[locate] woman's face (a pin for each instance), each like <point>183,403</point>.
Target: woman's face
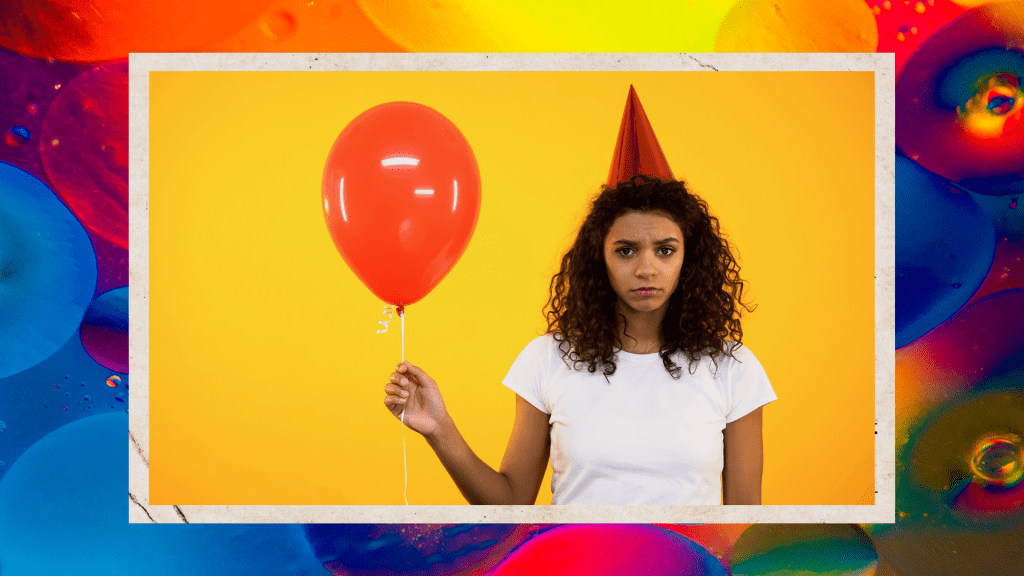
<point>644,254</point>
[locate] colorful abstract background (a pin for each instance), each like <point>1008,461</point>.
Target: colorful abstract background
<point>64,275</point>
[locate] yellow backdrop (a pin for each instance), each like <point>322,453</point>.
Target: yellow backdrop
<point>267,374</point>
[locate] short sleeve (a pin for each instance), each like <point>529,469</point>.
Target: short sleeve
<point>527,374</point>
<point>749,387</point>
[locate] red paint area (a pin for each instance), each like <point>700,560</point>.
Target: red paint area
<point>989,501</point>
<point>905,25</point>
<point>84,148</point>
<point>609,550</point>
<point>97,30</point>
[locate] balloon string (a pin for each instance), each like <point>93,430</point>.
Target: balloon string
<point>384,323</point>
<point>405,457</point>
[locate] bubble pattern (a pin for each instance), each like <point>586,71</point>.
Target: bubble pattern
<point>977,146</point>
<point>959,510</point>
<point>62,511</point>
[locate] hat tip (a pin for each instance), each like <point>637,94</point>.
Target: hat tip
<point>636,149</point>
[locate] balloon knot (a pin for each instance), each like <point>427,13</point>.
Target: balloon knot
<point>400,309</point>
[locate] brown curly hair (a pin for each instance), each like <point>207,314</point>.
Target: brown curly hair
<point>704,310</point>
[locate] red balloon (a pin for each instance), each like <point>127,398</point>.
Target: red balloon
<point>401,197</point>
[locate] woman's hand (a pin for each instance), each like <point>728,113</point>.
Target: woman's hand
<point>412,390</point>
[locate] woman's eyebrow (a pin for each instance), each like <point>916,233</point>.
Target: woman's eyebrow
<point>656,242</point>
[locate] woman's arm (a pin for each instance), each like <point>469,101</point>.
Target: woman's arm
<point>522,468</point>
<point>744,460</point>
<point>526,456</point>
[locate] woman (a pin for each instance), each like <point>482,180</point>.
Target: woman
<point>649,283</point>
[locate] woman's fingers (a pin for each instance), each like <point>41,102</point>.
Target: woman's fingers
<point>398,393</point>
<point>395,405</point>
<point>402,384</point>
<point>396,390</point>
<point>401,379</point>
<point>416,372</point>
<point>393,400</point>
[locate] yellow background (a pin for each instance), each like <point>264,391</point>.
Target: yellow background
<point>266,371</point>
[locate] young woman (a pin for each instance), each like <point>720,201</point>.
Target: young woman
<point>641,391</point>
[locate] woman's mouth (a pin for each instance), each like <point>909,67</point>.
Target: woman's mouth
<point>645,291</point>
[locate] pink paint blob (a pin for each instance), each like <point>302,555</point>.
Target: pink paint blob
<point>104,330</point>
<point>610,550</point>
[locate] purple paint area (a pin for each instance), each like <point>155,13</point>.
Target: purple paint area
<point>944,249</point>
<point>27,86</point>
<point>111,264</point>
<point>104,330</point>
<point>413,549</point>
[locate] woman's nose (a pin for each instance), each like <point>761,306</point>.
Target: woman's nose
<point>645,266</point>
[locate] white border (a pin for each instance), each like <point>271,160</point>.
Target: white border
<point>882,512</point>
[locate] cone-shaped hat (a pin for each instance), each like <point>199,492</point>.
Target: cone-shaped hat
<point>637,150</point>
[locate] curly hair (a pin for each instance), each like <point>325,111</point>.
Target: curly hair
<point>703,312</point>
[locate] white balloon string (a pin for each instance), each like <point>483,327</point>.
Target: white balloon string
<point>384,323</point>
<point>405,457</point>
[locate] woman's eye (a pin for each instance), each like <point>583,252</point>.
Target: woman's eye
<point>625,251</point>
<point>666,250</point>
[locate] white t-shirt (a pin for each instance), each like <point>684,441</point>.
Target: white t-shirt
<point>641,436</point>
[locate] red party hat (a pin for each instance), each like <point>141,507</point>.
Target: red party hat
<point>637,150</point>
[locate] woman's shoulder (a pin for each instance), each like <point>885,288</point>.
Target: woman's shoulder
<point>538,355</point>
<point>545,343</point>
<point>545,348</point>
<point>740,352</point>
<point>733,356</point>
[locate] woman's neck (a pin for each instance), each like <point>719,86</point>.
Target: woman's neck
<point>641,331</point>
